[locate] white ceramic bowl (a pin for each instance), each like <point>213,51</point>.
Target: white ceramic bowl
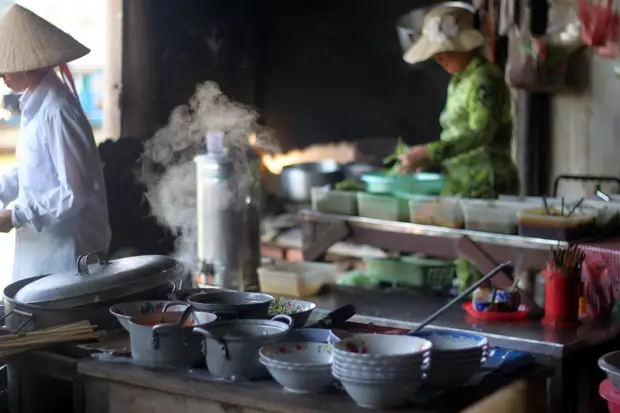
<point>298,310</point>
<point>300,354</point>
<point>382,346</point>
<point>299,379</point>
<point>404,375</point>
<point>418,363</point>
<point>380,394</point>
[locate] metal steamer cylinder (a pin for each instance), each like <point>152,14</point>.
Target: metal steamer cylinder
<point>228,221</point>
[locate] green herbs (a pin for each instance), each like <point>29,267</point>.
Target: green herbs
<point>280,306</point>
<point>401,149</point>
<point>348,185</point>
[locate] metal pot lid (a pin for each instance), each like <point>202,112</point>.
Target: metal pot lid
<point>95,275</point>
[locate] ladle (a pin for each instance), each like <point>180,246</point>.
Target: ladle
<point>188,311</point>
<point>458,298</point>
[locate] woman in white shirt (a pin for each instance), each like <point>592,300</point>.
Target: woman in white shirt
<point>60,209</point>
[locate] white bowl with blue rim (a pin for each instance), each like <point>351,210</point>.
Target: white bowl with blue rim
<point>299,367</point>
<point>455,357</point>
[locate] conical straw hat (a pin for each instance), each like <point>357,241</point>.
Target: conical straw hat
<point>28,42</point>
<point>448,27</point>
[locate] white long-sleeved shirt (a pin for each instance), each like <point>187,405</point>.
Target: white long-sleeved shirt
<point>57,185</point>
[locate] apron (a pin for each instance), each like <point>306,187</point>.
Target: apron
<point>39,253</point>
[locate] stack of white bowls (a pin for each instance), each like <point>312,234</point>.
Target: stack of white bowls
<point>299,367</point>
<point>455,357</point>
<point>380,370</point>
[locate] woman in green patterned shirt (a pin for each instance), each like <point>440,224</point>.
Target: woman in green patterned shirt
<point>475,144</point>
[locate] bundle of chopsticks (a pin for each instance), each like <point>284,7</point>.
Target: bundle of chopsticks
<point>568,260</point>
<point>13,344</point>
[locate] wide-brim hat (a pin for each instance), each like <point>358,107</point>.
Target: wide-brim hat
<point>28,42</point>
<point>448,27</point>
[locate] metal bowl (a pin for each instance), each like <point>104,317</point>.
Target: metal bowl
<point>233,304</point>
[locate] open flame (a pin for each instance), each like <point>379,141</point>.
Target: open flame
<point>340,152</point>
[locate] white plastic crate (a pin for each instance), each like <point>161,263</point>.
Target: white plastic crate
<point>296,279</point>
<point>495,216</point>
<point>334,202</point>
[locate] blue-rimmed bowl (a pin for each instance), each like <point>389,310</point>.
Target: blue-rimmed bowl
<point>454,342</point>
<point>455,357</point>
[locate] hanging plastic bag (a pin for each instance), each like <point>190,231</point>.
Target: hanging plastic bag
<point>600,26</point>
<point>597,289</point>
<point>534,63</point>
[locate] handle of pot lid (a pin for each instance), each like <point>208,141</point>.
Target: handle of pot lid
<point>84,259</point>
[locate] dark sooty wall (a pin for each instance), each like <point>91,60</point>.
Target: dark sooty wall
<point>334,71</point>
<point>318,70</point>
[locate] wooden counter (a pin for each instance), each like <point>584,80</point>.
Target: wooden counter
<point>112,387</point>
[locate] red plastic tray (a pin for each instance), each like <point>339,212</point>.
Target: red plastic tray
<point>493,315</point>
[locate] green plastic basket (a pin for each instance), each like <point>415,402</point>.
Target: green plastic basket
<point>436,274</point>
<point>382,207</point>
<point>412,271</point>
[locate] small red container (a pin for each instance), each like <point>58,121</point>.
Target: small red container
<point>561,298</point>
<point>613,399</point>
<point>493,315</point>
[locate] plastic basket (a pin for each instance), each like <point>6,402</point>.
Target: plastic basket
<point>334,202</point>
<point>422,183</point>
<point>378,183</point>
<point>438,211</point>
<point>382,207</point>
<point>412,271</point>
<point>436,274</point>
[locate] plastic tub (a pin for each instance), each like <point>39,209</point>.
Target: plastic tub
<point>378,183</point>
<point>296,279</point>
<point>609,212</point>
<point>613,399</point>
<point>438,211</point>
<point>334,202</point>
<point>386,207</point>
<point>495,216</point>
<point>422,183</point>
<point>536,223</point>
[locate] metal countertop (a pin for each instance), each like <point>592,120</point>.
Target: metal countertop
<point>404,309</point>
<point>433,231</point>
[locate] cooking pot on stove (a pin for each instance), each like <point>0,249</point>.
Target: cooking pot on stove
<point>299,179</point>
<point>87,292</point>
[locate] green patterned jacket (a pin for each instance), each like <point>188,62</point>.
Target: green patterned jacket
<point>475,144</point>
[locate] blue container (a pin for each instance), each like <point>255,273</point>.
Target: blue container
<point>422,183</point>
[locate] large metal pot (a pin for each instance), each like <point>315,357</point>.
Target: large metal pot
<point>88,292</point>
<point>100,281</point>
<point>232,346</point>
<point>158,341</point>
<point>298,180</point>
<point>29,317</point>
<point>229,305</point>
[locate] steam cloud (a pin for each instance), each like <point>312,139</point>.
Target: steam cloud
<point>168,170</point>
